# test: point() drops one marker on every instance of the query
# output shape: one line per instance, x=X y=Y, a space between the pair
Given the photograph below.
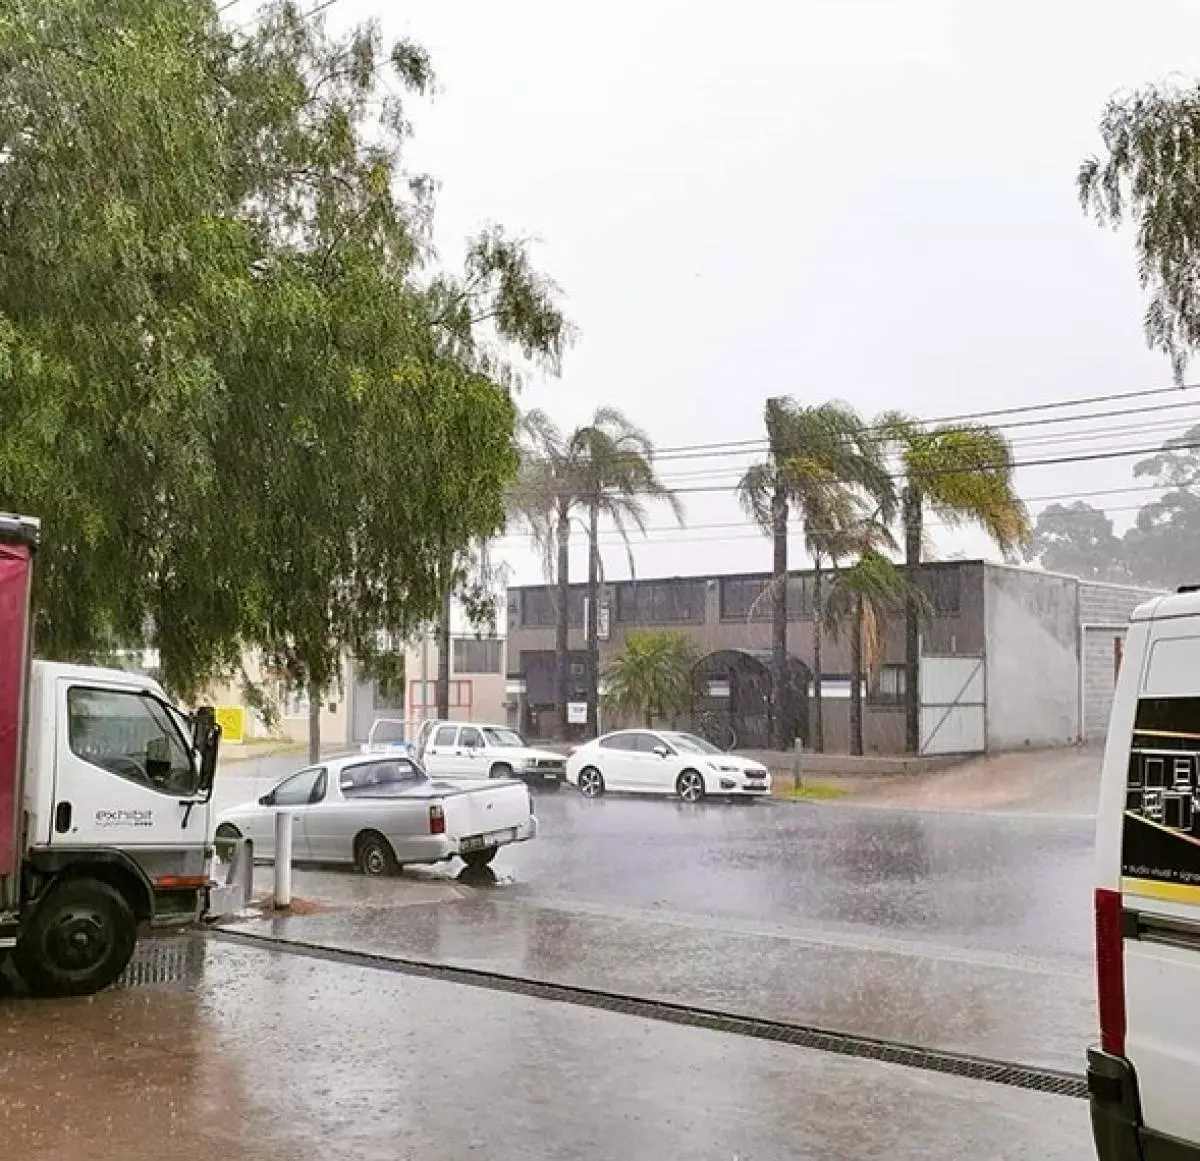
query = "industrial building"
x=1010 y=658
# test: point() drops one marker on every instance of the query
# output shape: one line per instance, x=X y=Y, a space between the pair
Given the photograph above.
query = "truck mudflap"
x=232 y=892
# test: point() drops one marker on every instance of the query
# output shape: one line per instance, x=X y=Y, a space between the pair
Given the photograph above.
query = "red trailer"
x=18 y=538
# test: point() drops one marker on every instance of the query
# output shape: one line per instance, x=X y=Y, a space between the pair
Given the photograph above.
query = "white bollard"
x=283 y=860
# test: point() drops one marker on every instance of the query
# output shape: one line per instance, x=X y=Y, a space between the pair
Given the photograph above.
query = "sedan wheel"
x=690 y=786
x=591 y=782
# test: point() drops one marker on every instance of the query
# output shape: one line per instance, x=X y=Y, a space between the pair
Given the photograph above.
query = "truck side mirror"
x=206 y=739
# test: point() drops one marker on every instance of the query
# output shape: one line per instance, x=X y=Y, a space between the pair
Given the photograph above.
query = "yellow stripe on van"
x=1153 y=889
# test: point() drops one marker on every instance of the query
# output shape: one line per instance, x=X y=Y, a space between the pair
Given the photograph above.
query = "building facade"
x=1010 y=657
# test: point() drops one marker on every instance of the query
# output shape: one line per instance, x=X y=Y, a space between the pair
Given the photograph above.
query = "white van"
x=1144 y=1079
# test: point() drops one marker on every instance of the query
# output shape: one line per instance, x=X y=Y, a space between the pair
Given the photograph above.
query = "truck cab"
x=105 y=791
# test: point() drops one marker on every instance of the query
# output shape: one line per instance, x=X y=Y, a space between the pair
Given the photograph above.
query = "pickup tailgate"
x=489 y=810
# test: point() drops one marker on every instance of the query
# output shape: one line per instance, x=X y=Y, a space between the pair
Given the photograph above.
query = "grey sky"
x=860 y=199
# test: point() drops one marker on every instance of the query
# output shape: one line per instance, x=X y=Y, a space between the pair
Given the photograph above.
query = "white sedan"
x=664 y=762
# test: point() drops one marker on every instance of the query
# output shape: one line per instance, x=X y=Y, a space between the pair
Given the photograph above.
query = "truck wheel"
x=78 y=940
x=477 y=860
x=374 y=855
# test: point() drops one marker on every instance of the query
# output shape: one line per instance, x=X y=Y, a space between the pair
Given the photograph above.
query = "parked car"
x=1144 y=1076
x=664 y=762
x=380 y=813
x=472 y=750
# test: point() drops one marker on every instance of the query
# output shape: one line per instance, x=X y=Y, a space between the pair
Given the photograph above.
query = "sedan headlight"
x=724 y=766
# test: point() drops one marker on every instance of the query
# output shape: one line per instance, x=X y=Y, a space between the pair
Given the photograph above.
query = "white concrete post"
x=797 y=752
x=283 y=859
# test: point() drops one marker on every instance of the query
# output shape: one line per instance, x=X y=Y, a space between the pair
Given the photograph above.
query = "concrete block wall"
x=1104 y=610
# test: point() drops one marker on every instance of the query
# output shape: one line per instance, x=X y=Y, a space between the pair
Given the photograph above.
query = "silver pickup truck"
x=379 y=812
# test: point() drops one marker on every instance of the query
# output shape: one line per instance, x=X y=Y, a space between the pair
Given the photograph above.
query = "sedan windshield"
x=690 y=744
x=505 y=739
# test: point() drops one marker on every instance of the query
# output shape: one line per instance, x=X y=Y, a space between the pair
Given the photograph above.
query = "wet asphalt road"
x=961 y=932
x=278 y=1058
x=930 y=928
x=1009 y=884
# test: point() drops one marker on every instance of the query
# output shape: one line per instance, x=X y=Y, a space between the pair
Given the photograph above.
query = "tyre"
x=501 y=770
x=690 y=786
x=373 y=855
x=78 y=940
x=477 y=860
x=591 y=782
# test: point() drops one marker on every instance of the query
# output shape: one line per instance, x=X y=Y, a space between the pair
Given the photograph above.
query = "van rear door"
x=1149 y=852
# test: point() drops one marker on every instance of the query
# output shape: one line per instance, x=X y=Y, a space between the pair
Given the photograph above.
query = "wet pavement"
x=275 y=1057
x=931 y=929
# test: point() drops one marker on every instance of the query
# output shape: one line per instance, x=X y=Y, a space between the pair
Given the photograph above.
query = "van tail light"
x=1110 y=971
x=437 y=819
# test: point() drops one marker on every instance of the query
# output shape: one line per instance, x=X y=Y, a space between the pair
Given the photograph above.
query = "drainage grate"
x=803 y=1036
x=164 y=960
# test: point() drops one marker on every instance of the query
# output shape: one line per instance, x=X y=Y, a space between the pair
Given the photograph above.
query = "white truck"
x=105 y=791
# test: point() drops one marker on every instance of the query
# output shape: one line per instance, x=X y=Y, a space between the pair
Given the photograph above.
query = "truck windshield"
x=505 y=739
x=130 y=734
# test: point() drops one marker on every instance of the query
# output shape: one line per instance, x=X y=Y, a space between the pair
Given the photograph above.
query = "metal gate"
x=953 y=705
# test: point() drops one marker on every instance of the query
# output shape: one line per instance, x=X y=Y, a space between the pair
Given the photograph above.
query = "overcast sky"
x=864 y=199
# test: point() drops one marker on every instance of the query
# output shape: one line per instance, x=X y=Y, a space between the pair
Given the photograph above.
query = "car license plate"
x=550 y=776
x=477 y=842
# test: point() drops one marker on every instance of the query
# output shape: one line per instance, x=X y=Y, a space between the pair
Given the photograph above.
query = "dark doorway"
x=733 y=707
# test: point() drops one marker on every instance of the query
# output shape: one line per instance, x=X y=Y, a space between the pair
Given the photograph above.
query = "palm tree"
x=654 y=677
x=614 y=467
x=604 y=468
x=867 y=595
x=819 y=458
x=964 y=475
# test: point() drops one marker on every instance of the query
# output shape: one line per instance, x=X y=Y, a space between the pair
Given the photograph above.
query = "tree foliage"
x=824 y=466
x=603 y=469
x=1146 y=175
x=654 y=678
x=233 y=383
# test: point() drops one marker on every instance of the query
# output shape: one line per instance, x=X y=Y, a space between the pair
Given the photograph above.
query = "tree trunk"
x=856 y=678
x=562 y=624
x=781 y=717
x=912 y=621
x=314 y=723
x=816 y=716
x=593 y=619
x=443 y=655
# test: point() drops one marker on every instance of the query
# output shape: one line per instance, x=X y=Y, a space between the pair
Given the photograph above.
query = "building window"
x=478 y=655
x=539 y=605
x=389 y=694
x=887 y=686
x=747 y=598
x=460 y=696
x=672 y=602
x=943 y=587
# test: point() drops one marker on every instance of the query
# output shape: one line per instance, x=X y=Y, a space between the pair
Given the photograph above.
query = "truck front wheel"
x=78 y=940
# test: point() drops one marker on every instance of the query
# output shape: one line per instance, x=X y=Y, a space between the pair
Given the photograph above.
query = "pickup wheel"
x=591 y=782
x=78 y=940
x=501 y=770
x=477 y=860
x=373 y=855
